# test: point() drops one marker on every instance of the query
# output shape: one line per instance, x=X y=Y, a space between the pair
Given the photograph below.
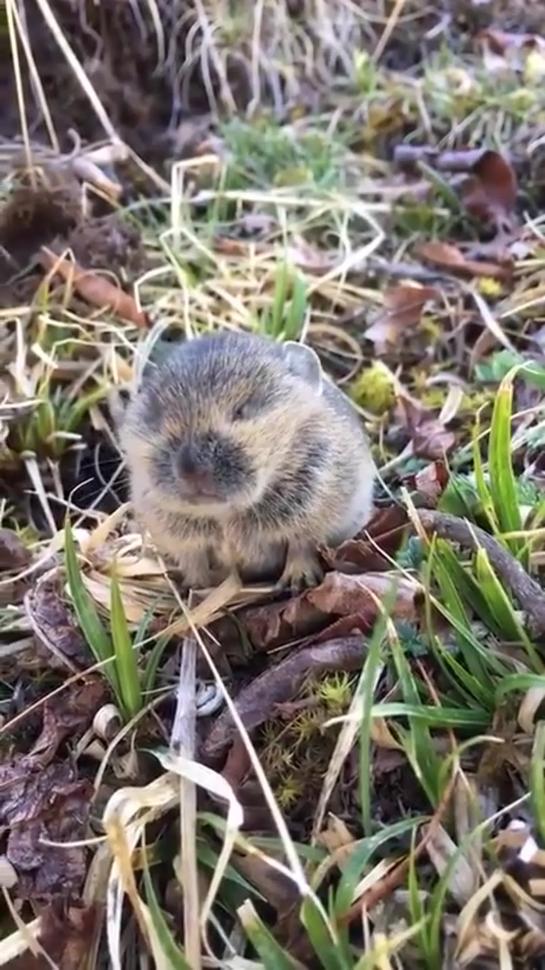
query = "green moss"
x=374 y=389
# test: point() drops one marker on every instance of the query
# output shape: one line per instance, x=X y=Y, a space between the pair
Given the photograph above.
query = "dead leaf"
x=403 y=308
x=383 y=534
x=430 y=482
x=13 y=554
x=447 y=256
x=336 y=834
x=341 y=605
x=343 y=595
x=38 y=805
x=55 y=629
x=66 y=935
x=95 y=289
x=491 y=193
x=68 y=714
x=429 y=436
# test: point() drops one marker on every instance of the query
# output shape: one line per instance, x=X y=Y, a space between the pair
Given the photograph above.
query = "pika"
x=243 y=455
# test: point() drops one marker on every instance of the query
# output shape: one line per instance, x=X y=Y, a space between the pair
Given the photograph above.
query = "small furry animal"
x=243 y=456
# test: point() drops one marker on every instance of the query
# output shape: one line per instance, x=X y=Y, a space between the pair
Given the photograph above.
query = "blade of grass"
x=270 y=952
x=92 y=627
x=126 y=662
x=503 y=485
x=170 y=948
x=537 y=778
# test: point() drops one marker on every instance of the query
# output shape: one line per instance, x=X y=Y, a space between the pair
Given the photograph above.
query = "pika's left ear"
x=304 y=362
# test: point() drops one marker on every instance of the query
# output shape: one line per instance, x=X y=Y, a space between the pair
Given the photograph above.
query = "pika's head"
x=213 y=426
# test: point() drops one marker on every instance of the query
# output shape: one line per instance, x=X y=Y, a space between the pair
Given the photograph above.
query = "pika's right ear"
x=304 y=362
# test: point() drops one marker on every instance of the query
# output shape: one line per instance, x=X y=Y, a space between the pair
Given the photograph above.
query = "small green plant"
x=114 y=648
x=284 y=318
x=52 y=424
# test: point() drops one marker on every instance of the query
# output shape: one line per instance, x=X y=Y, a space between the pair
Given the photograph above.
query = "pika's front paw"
x=196 y=570
x=302 y=569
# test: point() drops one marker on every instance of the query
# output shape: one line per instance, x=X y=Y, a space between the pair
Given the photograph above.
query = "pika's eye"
x=243 y=411
x=247 y=409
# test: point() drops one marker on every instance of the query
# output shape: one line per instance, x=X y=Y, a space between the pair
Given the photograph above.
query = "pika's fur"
x=243 y=455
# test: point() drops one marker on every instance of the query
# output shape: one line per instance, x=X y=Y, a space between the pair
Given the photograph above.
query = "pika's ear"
x=304 y=362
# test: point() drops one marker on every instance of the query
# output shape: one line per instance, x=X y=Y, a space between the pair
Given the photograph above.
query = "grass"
x=429 y=753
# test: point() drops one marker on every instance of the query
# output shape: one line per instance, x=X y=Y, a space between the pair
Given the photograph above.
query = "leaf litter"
x=400 y=231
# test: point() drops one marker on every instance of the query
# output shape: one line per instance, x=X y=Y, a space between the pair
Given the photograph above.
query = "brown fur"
x=303 y=461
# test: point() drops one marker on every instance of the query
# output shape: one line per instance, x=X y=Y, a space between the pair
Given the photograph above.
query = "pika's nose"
x=195 y=470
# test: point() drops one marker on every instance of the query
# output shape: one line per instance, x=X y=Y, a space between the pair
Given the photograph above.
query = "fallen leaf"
x=403 y=308
x=491 y=192
x=447 y=256
x=343 y=595
x=39 y=805
x=69 y=714
x=95 y=289
x=430 y=482
x=428 y=434
x=13 y=554
x=54 y=626
x=374 y=547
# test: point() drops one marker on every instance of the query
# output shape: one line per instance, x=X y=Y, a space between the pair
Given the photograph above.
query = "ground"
x=351 y=776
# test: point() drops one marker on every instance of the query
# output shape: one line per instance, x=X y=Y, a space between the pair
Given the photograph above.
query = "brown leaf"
x=343 y=595
x=69 y=714
x=13 y=554
x=66 y=935
x=44 y=804
x=403 y=308
x=491 y=193
x=429 y=436
x=447 y=256
x=430 y=482
x=386 y=530
x=97 y=290
x=54 y=627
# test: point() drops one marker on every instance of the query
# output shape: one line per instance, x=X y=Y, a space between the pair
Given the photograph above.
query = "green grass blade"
x=279 y=300
x=270 y=952
x=297 y=309
x=506 y=621
x=537 y=778
x=328 y=949
x=436 y=717
x=503 y=485
x=483 y=491
x=418 y=744
x=367 y=685
x=362 y=853
x=125 y=656
x=89 y=620
x=519 y=682
x=152 y=665
x=173 y=954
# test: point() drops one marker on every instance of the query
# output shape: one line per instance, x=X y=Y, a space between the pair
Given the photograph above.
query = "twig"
x=528 y=592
